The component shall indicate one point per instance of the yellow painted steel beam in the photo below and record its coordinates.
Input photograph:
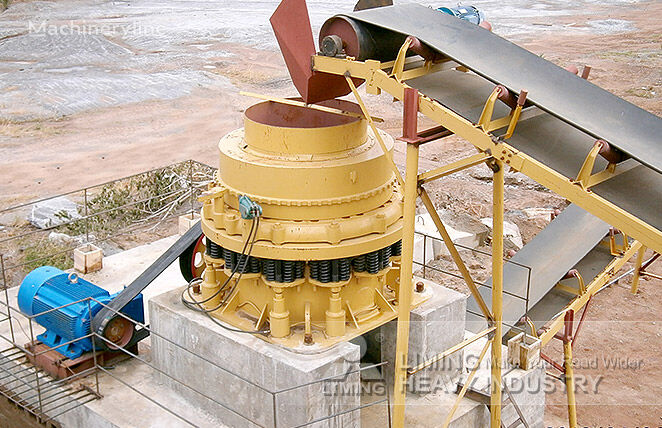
(598, 282)
(497, 292)
(406, 286)
(449, 351)
(399, 65)
(610, 172)
(452, 167)
(427, 68)
(378, 80)
(637, 270)
(375, 131)
(589, 201)
(587, 167)
(455, 255)
(463, 391)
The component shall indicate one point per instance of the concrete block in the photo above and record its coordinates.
(423, 250)
(233, 376)
(187, 220)
(88, 258)
(425, 225)
(528, 390)
(526, 386)
(435, 326)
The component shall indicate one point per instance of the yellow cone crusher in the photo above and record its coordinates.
(302, 227)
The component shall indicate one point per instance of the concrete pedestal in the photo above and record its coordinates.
(435, 326)
(243, 380)
(527, 387)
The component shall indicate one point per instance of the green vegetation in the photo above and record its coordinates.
(148, 197)
(139, 202)
(47, 253)
(643, 92)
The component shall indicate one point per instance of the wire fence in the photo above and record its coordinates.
(104, 213)
(47, 398)
(426, 267)
(46, 231)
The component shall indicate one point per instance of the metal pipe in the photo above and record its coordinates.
(406, 266)
(449, 351)
(570, 383)
(359, 40)
(497, 292)
(637, 270)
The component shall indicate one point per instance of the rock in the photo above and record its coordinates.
(15, 217)
(510, 232)
(64, 239)
(60, 238)
(539, 213)
(53, 212)
(425, 225)
(464, 222)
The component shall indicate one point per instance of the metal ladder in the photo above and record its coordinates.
(483, 396)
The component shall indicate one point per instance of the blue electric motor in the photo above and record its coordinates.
(46, 288)
(467, 13)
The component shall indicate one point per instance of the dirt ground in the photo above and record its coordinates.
(42, 158)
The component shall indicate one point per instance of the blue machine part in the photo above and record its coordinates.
(47, 288)
(467, 13)
(249, 209)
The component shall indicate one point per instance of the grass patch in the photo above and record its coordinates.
(144, 198)
(27, 129)
(133, 206)
(642, 92)
(627, 55)
(48, 253)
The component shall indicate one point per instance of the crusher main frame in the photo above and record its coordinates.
(320, 262)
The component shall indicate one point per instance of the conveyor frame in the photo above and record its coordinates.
(493, 149)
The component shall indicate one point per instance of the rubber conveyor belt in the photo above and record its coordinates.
(565, 95)
(551, 141)
(556, 300)
(101, 319)
(549, 255)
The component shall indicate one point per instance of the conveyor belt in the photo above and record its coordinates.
(556, 300)
(565, 95)
(550, 255)
(552, 142)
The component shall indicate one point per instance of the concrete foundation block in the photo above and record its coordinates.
(528, 390)
(527, 387)
(237, 377)
(435, 326)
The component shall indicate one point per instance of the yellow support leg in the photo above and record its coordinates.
(466, 385)
(637, 269)
(570, 383)
(497, 293)
(406, 286)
